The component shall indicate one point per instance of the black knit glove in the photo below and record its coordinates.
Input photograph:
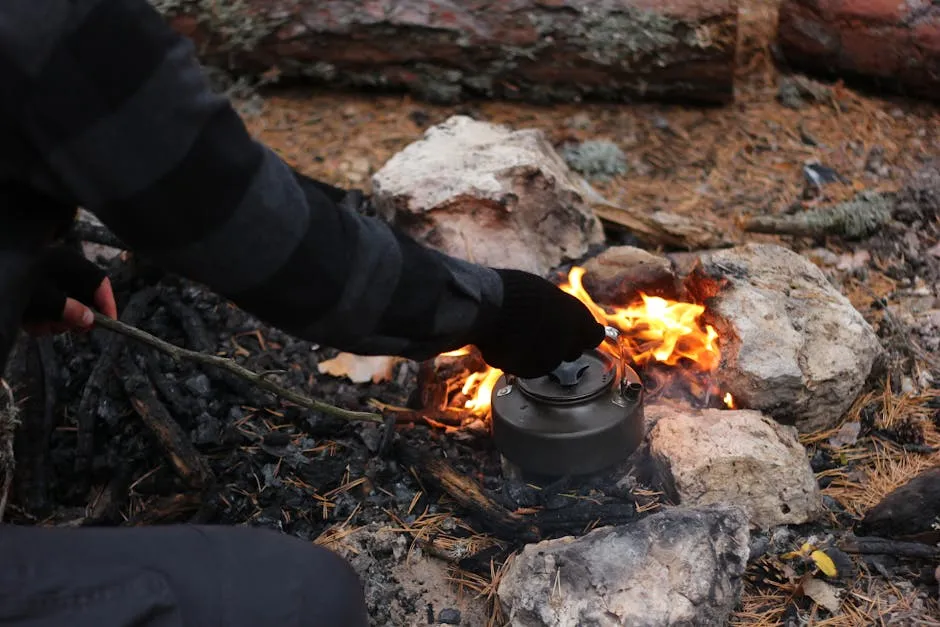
(537, 327)
(61, 272)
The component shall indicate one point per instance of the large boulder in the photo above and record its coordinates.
(741, 458)
(488, 194)
(894, 42)
(792, 345)
(676, 567)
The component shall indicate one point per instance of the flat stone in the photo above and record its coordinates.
(617, 275)
(680, 566)
(793, 346)
(735, 457)
(490, 195)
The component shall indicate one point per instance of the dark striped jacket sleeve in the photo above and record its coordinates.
(123, 119)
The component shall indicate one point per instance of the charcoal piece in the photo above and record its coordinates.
(489, 513)
(556, 501)
(169, 390)
(823, 460)
(521, 494)
(277, 439)
(178, 449)
(207, 431)
(869, 545)
(198, 385)
(101, 376)
(573, 519)
(371, 436)
(194, 327)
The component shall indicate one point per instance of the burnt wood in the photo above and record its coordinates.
(36, 366)
(101, 376)
(188, 463)
(893, 548)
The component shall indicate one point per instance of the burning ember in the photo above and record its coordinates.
(665, 340)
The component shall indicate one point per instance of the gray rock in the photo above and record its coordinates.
(397, 578)
(489, 194)
(740, 458)
(617, 275)
(793, 346)
(677, 567)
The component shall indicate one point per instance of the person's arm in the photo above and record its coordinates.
(127, 124)
(119, 111)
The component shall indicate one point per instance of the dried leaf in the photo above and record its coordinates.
(823, 594)
(359, 368)
(824, 563)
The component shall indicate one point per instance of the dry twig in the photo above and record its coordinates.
(234, 368)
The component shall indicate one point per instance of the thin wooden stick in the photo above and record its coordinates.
(231, 366)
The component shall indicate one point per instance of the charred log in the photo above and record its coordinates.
(470, 495)
(188, 463)
(101, 376)
(449, 51)
(35, 366)
(893, 548)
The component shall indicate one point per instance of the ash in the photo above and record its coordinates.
(85, 456)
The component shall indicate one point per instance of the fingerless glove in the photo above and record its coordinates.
(61, 272)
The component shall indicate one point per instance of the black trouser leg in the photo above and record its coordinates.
(172, 576)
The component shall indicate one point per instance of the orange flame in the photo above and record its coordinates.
(655, 330)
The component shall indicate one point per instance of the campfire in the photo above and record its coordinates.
(667, 342)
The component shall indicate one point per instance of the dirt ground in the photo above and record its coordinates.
(726, 163)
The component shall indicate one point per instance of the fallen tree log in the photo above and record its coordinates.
(445, 51)
(895, 45)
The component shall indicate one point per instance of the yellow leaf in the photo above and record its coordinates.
(825, 563)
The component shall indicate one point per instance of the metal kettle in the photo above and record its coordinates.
(583, 417)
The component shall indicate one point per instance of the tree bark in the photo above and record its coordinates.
(448, 50)
(893, 45)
